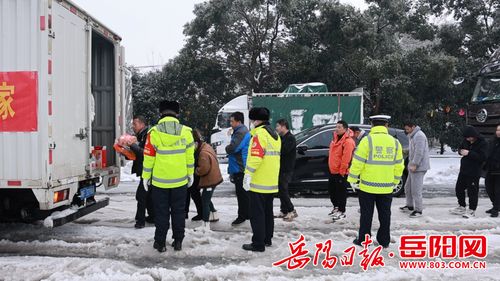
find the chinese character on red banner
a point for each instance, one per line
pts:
(18, 101)
(299, 258)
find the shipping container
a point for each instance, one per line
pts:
(62, 105)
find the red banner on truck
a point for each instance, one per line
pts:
(18, 101)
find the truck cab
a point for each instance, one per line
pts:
(221, 133)
(484, 109)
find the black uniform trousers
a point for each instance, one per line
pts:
(169, 202)
(383, 202)
(144, 202)
(261, 218)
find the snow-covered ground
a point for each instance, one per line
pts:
(105, 246)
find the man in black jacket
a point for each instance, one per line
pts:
(287, 164)
(143, 196)
(474, 151)
(493, 174)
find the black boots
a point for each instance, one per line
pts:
(251, 247)
(177, 244)
(160, 247)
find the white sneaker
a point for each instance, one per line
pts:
(280, 215)
(339, 216)
(214, 217)
(205, 227)
(290, 216)
(469, 214)
(334, 212)
(458, 210)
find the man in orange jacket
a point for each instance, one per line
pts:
(339, 158)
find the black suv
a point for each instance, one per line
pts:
(311, 169)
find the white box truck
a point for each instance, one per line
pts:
(62, 104)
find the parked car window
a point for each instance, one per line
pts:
(303, 135)
(320, 141)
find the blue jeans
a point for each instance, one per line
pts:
(207, 205)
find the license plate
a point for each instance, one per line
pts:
(87, 192)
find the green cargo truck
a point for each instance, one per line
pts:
(303, 105)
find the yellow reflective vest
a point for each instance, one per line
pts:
(377, 162)
(263, 161)
(169, 154)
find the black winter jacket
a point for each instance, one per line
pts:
(138, 149)
(288, 153)
(471, 165)
(493, 162)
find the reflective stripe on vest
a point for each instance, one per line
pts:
(170, 152)
(377, 184)
(356, 177)
(179, 180)
(263, 187)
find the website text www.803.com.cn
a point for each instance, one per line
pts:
(414, 252)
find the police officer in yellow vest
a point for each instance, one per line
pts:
(169, 167)
(377, 166)
(261, 178)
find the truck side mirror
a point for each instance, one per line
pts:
(301, 149)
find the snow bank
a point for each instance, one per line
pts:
(105, 246)
(49, 221)
(126, 175)
(444, 171)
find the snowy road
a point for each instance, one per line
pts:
(105, 246)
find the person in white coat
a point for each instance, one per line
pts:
(418, 165)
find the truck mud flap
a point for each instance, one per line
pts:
(81, 212)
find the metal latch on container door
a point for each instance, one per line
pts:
(83, 134)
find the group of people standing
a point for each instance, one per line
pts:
(176, 164)
(261, 163)
(478, 158)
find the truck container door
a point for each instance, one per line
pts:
(68, 115)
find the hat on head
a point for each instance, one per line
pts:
(470, 132)
(169, 105)
(259, 113)
(381, 117)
